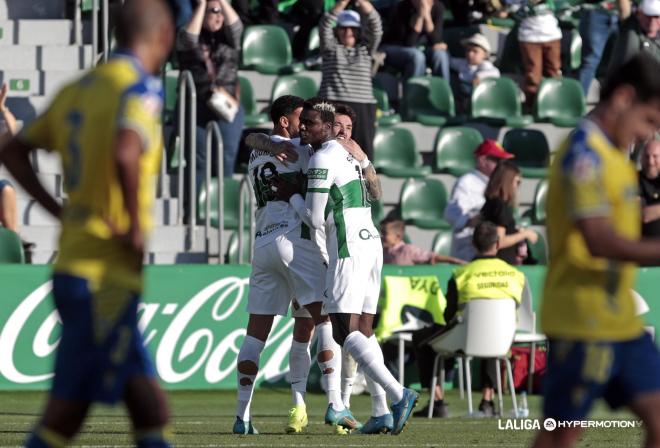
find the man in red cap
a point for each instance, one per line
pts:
(467, 197)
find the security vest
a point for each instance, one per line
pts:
(488, 278)
(422, 292)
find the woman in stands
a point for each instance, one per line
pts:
(501, 200)
(347, 61)
(208, 46)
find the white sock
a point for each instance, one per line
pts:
(299, 363)
(369, 356)
(348, 373)
(250, 351)
(331, 369)
(378, 395)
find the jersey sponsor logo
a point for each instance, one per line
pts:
(365, 234)
(317, 173)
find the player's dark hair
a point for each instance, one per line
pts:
(343, 109)
(284, 106)
(641, 72)
(324, 107)
(485, 236)
(140, 18)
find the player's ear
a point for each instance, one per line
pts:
(284, 122)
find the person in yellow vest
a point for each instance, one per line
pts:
(598, 346)
(486, 277)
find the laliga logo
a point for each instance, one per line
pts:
(173, 350)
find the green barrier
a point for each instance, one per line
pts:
(193, 320)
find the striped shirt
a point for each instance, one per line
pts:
(346, 72)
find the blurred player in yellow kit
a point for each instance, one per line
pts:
(106, 128)
(598, 347)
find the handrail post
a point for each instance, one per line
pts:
(187, 108)
(95, 31)
(221, 193)
(212, 130)
(105, 28)
(241, 217)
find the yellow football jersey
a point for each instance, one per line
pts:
(585, 297)
(81, 125)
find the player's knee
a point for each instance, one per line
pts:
(302, 330)
(339, 333)
(247, 367)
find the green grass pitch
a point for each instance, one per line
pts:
(205, 418)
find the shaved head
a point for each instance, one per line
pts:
(141, 20)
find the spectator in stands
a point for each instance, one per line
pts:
(8, 207)
(501, 200)
(467, 198)
(639, 32)
(266, 12)
(539, 36)
(396, 251)
(598, 21)
(306, 14)
(413, 23)
(467, 284)
(649, 188)
(472, 69)
(208, 46)
(347, 58)
(181, 10)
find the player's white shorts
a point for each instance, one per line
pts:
(354, 282)
(287, 267)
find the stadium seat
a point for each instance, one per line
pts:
(11, 248)
(252, 115)
(571, 51)
(267, 49)
(299, 85)
(387, 116)
(172, 144)
(560, 101)
(531, 150)
(232, 248)
(423, 203)
(454, 148)
(539, 249)
(231, 205)
(496, 101)
(442, 242)
(428, 100)
(395, 154)
(171, 94)
(377, 212)
(538, 208)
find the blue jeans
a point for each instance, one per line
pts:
(412, 61)
(596, 26)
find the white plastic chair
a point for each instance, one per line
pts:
(526, 332)
(485, 330)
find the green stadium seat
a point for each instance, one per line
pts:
(299, 85)
(395, 154)
(428, 100)
(267, 49)
(377, 212)
(540, 197)
(540, 249)
(252, 115)
(423, 203)
(387, 116)
(571, 52)
(172, 144)
(560, 101)
(171, 95)
(454, 150)
(232, 204)
(442, 242)
(232, 248)
(496, 101)
(531, 150)
(11, 248)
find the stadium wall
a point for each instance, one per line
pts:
(193, 320)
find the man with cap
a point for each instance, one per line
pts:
(471, 69)
(467, 197)
(638, 33)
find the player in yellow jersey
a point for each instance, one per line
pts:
(106, 128)
(598, 347)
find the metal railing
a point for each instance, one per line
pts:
(213, 132)
(246, 188)
(187, 107)
(105, 28)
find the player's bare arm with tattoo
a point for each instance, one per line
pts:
(372, 181)
(283, 150)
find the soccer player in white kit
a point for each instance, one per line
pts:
(286, 264)
(354, 249)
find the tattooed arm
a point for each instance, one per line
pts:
(284, 150)
(372, 182)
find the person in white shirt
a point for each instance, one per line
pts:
(356, 257)
(467, 198)
(473, 68)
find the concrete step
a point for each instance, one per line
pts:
(46, 162)
(18, 57)
(7, 32)
(34, 9)
(45, 32)
(53, 80)
(22, 82)
(52, 182)
(33, 214)
(64, 57)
